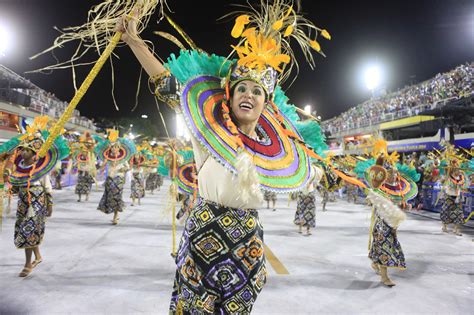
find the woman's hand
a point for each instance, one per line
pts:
(127, 25)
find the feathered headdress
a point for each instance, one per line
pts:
(112, 135)
(33, 138)
(380, 149)
(264, 51)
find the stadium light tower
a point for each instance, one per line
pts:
(5, 40)
(373, 78)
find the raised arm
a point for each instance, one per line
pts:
(149, 62)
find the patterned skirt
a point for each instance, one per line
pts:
(269, 196)
(352, 193)
(220, 261)
(112, 198)
(84, 183)
(185, 207)
(29, 231)
(324, 195)
(385, 250)
(159, 181)
(138, 191)
(451, 212)
(151, 182)
(306, 210)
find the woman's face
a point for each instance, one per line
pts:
(247, 102)
(115, 150)
(26, 153)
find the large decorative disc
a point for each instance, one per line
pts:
(124, 153)
(186, 183)
(82, 157)
(404, 190)
(43, 166)
(282, 164)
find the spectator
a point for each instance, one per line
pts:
(410, 100)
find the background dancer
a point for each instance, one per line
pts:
(115, 152)
(30, 175)
(137, 187)
(84, 158)
(453, 184)
(305, 215)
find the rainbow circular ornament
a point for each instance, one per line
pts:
(21, 175)
(82, 157)
(282, 165)
(405, 190)
(186, 183)
(126, 149)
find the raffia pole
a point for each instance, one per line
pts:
(95, 34)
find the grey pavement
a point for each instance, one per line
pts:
(93, 267)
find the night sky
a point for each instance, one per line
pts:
(412, 40)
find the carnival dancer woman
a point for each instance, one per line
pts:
(115, 152)
(151, 175)
(453, 184)
(154, 179)
(385, 250)
(149, 169)
(305, 215)
(237, 129)
(84, 159)
(30, 175)
(137, 188)
(328, 184)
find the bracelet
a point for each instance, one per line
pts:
(157, 77)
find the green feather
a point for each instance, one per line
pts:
(362, 166)
(130, 144)
(470, 166)
(281, 100)
(442, 167)
(408, 171)
(309, 129)
(63, 149)
(100, 147)
(192, 63)
(187, 155)
(98, 139)
(147, 154)
(10, 145)
(60, 143)
(162, 169)
(312, 135)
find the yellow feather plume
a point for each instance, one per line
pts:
(113, 135)
(239, 25)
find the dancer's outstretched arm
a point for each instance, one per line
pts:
(149, 62)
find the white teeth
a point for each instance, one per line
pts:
(246, 105)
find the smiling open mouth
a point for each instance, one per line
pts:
(245, 105)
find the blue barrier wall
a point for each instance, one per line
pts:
(430, 193)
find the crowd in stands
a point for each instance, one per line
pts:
(42, 101)
(411, 100)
